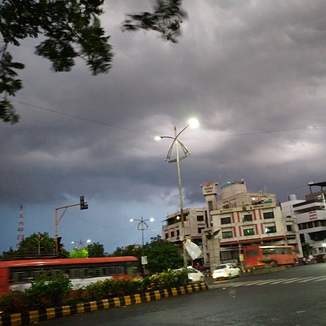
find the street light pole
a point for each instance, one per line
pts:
(176, 142)
(142, 226)
(182, 233)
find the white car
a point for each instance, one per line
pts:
(194, 275)
(225, 271)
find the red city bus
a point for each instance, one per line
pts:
(280, 255)
(18, 274)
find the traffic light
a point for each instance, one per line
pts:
(83, 205)
(59, 244)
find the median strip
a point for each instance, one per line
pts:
(21, 319)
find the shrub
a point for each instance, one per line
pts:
(48, 290)
(13, 302)
(51, 290)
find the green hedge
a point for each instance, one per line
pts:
(56, 290)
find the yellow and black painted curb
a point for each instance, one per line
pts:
(21, 319)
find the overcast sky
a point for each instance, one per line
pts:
(252, 72)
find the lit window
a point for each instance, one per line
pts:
(270, 229)
(247, 232)
(227, 234)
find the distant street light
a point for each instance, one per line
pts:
(193, 123)
(142, 226)
(80, 243)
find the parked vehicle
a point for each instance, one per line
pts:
(226, 271)
(320, 258)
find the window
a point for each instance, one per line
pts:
(227, 234)
(252, 253)
(199, 230)
(120, 270)
(276, 251)
(226, 220)
(247, 218)
(97, 272)
(166, 235)
(289, 228)
(178, 233)
(200, 218)
(74, 273)
(112, 270)
(268, 215)
(19, 277)
(270, 229)
(247, 232)
(172, 234)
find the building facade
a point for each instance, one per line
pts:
(238, 219)
(241, 219)
(310, 215)
(195, 221)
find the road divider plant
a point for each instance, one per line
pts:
(53, 289)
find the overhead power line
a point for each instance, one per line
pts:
(145, 133)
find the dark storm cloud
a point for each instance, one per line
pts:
(252, 72)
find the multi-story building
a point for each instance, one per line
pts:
(195, 221)
(240, 219)
(310, 215)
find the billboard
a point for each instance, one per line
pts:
(209, 188)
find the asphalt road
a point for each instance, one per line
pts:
(294, 297)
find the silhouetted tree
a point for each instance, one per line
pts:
(95, 250)
(69, 29)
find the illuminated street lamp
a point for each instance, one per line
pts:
(193, 123)
(81, 243)
(142, 226)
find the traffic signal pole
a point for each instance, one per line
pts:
(82, 205)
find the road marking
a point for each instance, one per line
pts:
(292, 280)
(320, 278)
(280, 280)
(307, 279)
(274, 281)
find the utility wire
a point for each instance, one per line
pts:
(144, 133)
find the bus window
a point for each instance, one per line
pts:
(112, 270)
(120, 270)
(97, 272)
(18, 277)
(74, 273)
(252, 253)
(88, 272)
